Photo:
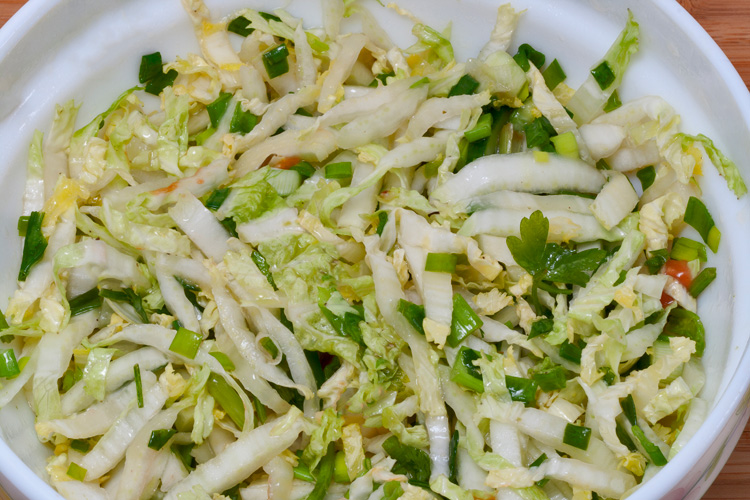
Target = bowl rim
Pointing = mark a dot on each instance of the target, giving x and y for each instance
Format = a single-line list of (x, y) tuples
[(19, 476)]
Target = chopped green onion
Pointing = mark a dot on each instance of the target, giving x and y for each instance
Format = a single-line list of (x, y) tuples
[(646, 175), (33, 246), (242, 121), (628, 408), (346, 325), (151, 67), (549, 376), (571, 352), (160, 82), (603, 165), (138, 384), (624, 437), (684, 323), (227, 398), (223, 360), (411, 461), (697, 215), (260, 410), (613, 102), (303, 112), (159, 438), (230, 225), (701, 281), (339, 170), (603, 75), (241, 26), (217, 198), (340, 470), (383, 77), (182, 451), (609, 375), (76, 471), (70, 377), (539, 461), (304, 169), (275, 61), (129, 296), (464, 321), (186, 343), (420, 83), (413, 313), (527, 53), (313, 359), (453, 458), (577, 436), (269, 17), (80, 445), (566, 144), (268, 344), (687, 249), (657, 457), (554, 75), (538, 132), (521, 389), (302, 472), (85, 302), (441, 262), (217, 108), (203, 136), (382, 221), (325, 474), (541, 327), (464, 373), (23, 224), (657, 260), (263, 267), (8, 364), (482, 129), (465, 85)]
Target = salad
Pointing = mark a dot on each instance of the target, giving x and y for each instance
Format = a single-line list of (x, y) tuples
[(307, 263)]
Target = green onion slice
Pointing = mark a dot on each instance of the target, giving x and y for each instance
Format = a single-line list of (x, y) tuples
[(464, 373), (186, 343), (159, 438), (577, 436), (465, 85), (687, 249), (339, 170), (704, 278), (653, 451), (603, 75), (275, 61), (413, 313), (464, 321), (8, 364), (521, 389), (138, 384), (554, 75), (227, 397), (441, 262), (76, 472), (34, 245)]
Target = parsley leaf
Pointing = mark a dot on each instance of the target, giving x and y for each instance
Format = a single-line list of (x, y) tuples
[(550, 262)]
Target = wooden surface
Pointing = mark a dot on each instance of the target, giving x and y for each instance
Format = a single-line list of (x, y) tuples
[(728, 22)]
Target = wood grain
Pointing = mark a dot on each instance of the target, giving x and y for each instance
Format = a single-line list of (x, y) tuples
[(728, 22)]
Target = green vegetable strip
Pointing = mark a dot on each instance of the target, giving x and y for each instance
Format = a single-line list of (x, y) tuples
[(340, 170), (571, 352), (625, 438), (411, 461), (612, 104), (482, 129), (76, 472), (138, 384), (217, 108), (23, 224), (217, 198), (240, 25), (653, 451), (603, 75), (554, 75), (157, 84), (684, 323), (33, 246), (223, 360), (441, 262), (464, 373), (8, 364), (80, 445), (687, 249), (697, 215), (304, 169), (577, 436), (527, 53), (646, 175), (227, 398), (541, 327), (628, 408), (340, 471), (453, 458), (382, 221), (129, 296), (413, 313), (657, 260), (325, 474), (466, 85), (263, 267), (85, 302), (464, 321), (242, 121), (159, 438), (521, 389), (701, 281), (302, 472), (275, 61), (151, 67), (549, 376), (186, 343)]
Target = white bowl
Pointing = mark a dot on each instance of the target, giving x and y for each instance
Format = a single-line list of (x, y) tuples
[(55, 50)]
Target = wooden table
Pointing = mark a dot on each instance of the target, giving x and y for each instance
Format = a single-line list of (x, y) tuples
[(728, 22)]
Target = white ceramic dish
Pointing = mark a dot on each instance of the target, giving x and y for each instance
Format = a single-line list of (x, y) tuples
[(55, 50)]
